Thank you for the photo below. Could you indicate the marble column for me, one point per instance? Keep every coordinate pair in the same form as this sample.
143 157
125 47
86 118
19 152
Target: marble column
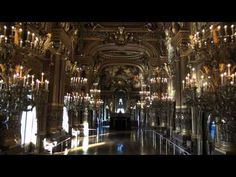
201 133
74 116
194 121
163 118
168 112
181 71
204 132
178 122
142 117
56 97
70 120
178 94
82 115
94 120
217 140
172 118
41 114
185 124
194 133
186 119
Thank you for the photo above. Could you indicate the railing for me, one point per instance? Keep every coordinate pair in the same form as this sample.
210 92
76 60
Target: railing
63 143
166 146
161 144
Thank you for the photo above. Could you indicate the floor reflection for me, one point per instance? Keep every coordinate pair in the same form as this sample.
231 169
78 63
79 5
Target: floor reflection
104 142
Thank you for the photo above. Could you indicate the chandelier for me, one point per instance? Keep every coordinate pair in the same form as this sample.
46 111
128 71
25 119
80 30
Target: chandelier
95 100
145 99
159 86
78 79
77 96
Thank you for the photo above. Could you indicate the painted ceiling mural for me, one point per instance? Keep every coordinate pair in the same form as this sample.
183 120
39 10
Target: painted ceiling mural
121 77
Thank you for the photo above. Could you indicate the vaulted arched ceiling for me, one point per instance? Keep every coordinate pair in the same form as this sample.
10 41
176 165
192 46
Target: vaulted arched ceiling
121 46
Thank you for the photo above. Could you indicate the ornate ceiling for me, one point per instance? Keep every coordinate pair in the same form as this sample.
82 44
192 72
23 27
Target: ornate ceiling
104 48
121 52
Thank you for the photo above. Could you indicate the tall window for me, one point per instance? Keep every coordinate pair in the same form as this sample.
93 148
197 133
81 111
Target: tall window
28 127
65 123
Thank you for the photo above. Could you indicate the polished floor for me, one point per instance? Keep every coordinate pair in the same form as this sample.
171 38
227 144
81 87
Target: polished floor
105 142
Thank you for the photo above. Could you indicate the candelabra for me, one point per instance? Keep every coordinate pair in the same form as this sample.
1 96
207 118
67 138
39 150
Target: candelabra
18 92
78 80
95 102
159 85
225 108
214 94
214 36
143 104
77 100
161 100
212 46
18 35
17 87
15 95
145 99
196 92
